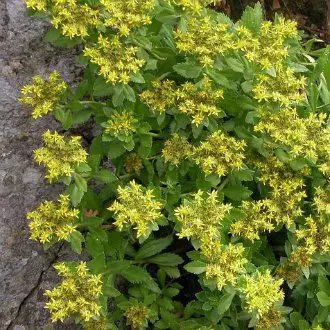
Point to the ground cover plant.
(204, 200)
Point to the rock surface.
(25, 269)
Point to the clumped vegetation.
(215, 211)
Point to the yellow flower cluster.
(77, 295)
(197, 101)
(116, 61)
(268, 48)
(261, 292)
(219, 154)
(137, 207)
(121, 123)
(53, 221)
(195, 6)
(127, 15)
(42, 95)
(270, 320)
(282, 206)
(72, 18)
(205, 39)
(161, 97)
(133, 163)
(227, 263)
(99, 323)
(289, 271)
(137, 316)
(40, 5)
(60, 155)
(304, 137)
(200, 218)
(322, 200)
(285, 88)
(176, 149)
(313, 237)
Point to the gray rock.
(25, 268)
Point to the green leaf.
(76, 239)
(225, 302)
(324, 284)
(105, 176)
(220, 79)
(101, 88)
(116, 149)
(166, 259)
(137, 78)
(252, 18)
(153, 247)
(80, 182)
(76, 194)
(196, 267)
(235, 64)
(187, 70)
(323, 298)
(52, 35)
(172, 272)
(237, 192)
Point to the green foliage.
(203, 203)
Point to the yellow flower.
(72, 18)
(78, 295)
(133, 163)
(116, 61)
(303, 137)
(127, 15)
(176, 149)
(40, 5)
(60, 155)
(261, 292)
(121, 123)
(270, 320)
(289, 271)
(137, 316)
(43, 95)
(53, 220)
(226, 265)
(161, 97)
(99, 323)
(198, 101)
(219, 154)
(322, 200)
(200, 217)
(205, 39)
(137, 207)
(195, 6)
(285, 89)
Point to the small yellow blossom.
(121, 123)
(226, 265)
(176, 149)
(322, 200)
(205, 39)
(116, 60)
(194, 6)
(286, 88)
(219, 154)
(133, 163)
(99, 323)
(43, 95)
(60, 155)
(78, 295)
(137, 316)
(270, 320)
(127, 15)
(137, 207)
(261, 292)
(198, 101)
(301, 136)
(53, 220)
(200, 217)
(72, 18)
(289, 271)
(313, 237)
(40, 5)
(161, 97)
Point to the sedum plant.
(214, 211)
